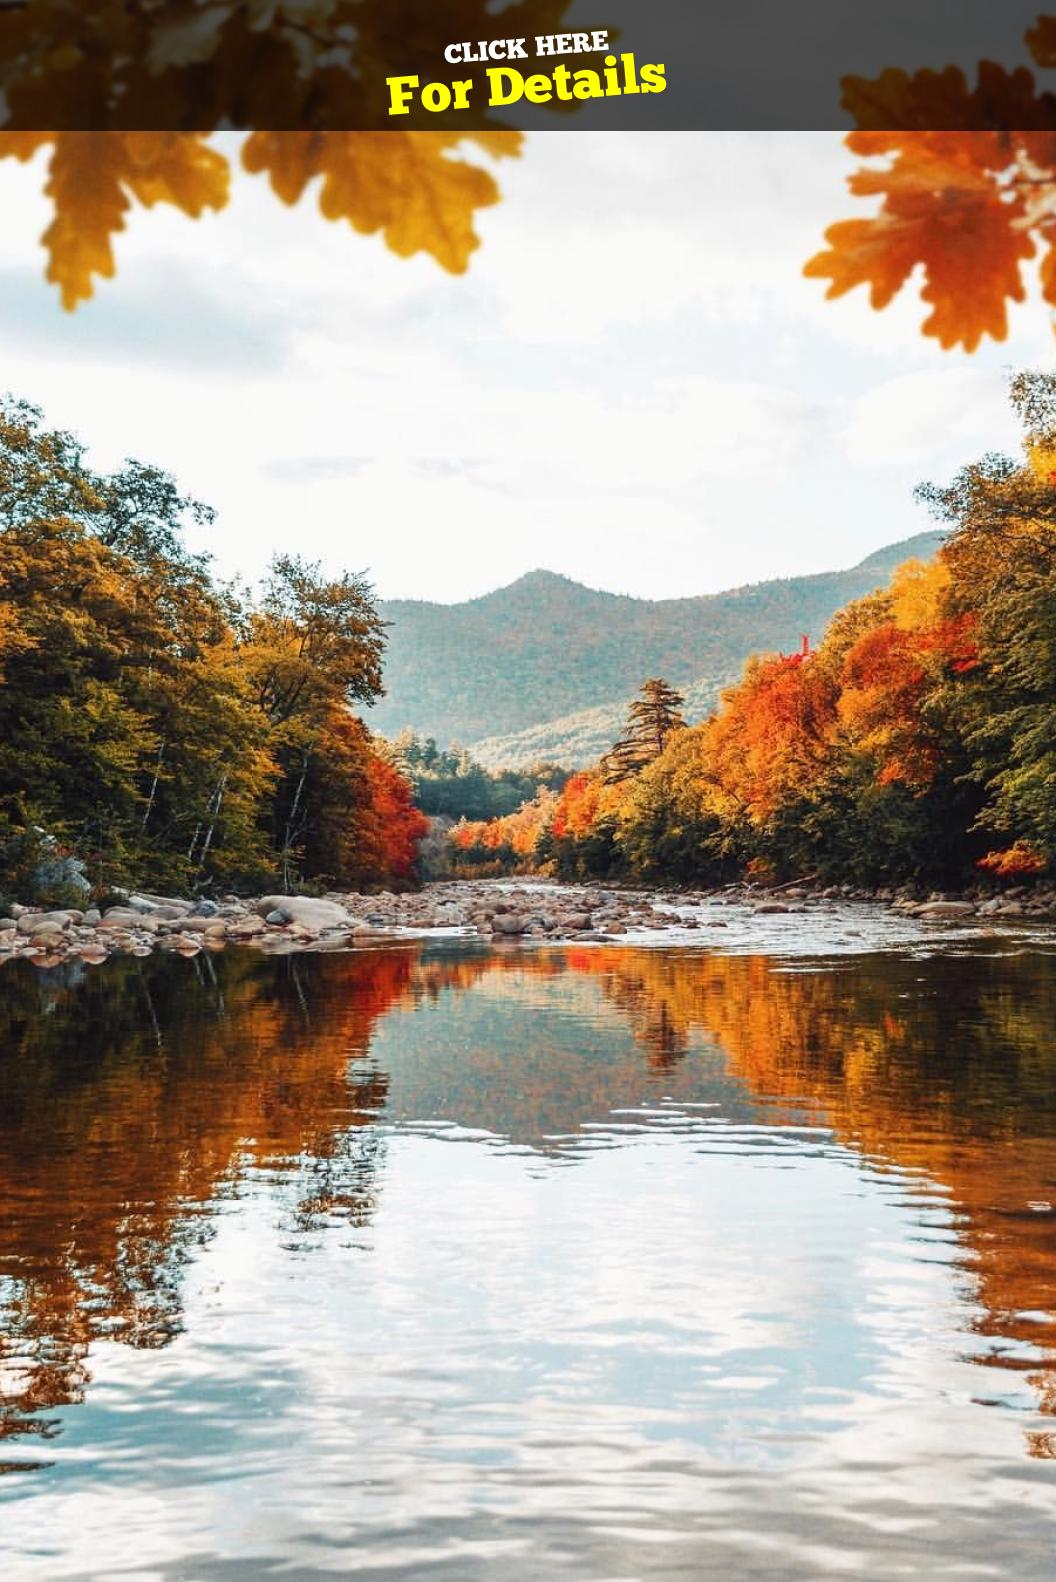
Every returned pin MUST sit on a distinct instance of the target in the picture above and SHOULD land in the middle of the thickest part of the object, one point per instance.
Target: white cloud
(921, 414)
(634, 384)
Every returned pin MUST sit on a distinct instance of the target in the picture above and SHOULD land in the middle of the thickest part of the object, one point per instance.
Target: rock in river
(304, 909)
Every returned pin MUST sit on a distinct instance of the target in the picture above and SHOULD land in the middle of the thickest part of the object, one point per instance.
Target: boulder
(946, 909)
(507, 923)
(41, 922)
(169, 905)
(304, 909)
(59, 873)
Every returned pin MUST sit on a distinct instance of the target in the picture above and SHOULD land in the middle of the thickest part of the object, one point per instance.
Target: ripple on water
(603, 1264)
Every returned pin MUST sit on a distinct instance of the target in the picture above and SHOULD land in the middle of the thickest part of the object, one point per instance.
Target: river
(731, 1257)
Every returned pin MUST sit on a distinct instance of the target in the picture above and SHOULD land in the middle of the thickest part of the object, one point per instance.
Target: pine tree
(652, 717)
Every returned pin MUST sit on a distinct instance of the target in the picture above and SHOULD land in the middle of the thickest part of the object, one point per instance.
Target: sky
(634, 385)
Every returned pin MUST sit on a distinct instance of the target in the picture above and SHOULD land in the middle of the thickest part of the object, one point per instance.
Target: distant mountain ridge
(547, 662)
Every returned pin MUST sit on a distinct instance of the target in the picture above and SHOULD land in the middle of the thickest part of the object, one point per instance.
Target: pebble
(500, 910)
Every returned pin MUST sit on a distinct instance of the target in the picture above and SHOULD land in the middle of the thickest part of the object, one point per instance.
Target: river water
(595, 1263)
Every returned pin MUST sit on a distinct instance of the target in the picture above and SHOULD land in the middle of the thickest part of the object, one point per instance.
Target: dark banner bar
(640, 65)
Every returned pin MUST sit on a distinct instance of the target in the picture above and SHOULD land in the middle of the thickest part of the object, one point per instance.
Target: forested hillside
(914, 743)
(546, 647)
(579, 739)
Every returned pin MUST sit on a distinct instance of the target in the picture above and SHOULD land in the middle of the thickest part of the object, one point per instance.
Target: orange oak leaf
(1041, 41)
(944, 208)
(942, 101)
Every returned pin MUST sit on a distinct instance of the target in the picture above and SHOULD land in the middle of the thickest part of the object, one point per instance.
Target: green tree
(1002, 555)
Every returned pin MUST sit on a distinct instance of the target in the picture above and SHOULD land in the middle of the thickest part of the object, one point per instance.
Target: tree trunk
(154, 785)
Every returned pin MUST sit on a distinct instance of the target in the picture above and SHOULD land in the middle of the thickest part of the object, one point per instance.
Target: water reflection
(131, 1102)
(654, 1183)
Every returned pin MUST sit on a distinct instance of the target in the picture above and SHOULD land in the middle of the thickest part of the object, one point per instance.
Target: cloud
(164, 314)
(927, 413)
(322, 469)
(447, 466)
(634, 384)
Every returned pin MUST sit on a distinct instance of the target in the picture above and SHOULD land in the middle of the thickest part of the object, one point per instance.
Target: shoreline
(508, 911)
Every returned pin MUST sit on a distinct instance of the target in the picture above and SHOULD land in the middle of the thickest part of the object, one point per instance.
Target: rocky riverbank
(498, 910)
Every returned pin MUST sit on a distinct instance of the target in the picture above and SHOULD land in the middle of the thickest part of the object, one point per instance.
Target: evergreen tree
(652, 717)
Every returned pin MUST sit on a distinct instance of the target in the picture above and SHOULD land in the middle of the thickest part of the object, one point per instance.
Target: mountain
(579, 739)
(547, 660)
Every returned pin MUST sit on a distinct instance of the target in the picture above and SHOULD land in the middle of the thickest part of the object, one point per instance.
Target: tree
(771, 736)
(313, 648)
(651, 719)
(1002, 559)
(667, 824)
(163, 732)
(359, 825)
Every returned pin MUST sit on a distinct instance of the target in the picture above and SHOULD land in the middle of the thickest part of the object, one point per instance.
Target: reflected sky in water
(603, 1264)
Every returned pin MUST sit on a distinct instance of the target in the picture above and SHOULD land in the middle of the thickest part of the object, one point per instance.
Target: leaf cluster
(962, 178)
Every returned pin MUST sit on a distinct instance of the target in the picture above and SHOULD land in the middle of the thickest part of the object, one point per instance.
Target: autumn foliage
(411, 187)
(79, 85)
(913, 743)
(963, 191)
(158, 729)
